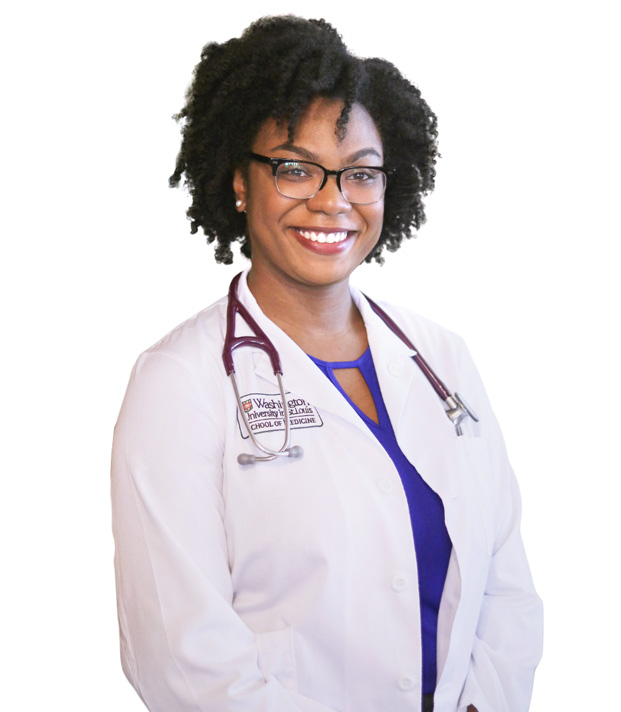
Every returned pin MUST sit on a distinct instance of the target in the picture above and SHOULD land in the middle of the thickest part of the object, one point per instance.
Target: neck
(322, 320)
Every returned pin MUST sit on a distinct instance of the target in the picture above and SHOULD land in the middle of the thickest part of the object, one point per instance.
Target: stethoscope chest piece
(458, 410)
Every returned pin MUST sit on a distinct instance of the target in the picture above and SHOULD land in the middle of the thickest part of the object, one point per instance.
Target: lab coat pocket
(275, 649)
(476, 454)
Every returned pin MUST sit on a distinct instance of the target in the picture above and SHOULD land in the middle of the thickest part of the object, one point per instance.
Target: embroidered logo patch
(265, 413)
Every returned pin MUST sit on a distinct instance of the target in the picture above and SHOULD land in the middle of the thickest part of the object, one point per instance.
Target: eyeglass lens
(301, 180)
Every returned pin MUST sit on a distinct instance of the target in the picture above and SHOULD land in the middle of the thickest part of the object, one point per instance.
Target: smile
(324, 237)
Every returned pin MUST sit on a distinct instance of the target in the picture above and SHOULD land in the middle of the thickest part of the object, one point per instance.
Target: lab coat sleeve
(183, 646)
(508, 641)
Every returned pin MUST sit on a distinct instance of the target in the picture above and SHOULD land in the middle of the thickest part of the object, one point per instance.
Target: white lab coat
(291, 586)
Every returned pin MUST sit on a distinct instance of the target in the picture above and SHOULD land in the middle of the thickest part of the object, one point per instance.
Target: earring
(239, 203)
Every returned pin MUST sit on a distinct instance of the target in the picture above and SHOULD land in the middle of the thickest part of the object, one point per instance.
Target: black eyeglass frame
(275, 163)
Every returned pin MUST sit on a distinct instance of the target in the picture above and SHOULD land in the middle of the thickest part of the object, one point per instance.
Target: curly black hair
(274, 70)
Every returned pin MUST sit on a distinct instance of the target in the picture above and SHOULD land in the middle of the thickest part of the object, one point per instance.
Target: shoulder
(427, 336)
(201, 333)
(183, 363)
(443, 350)
(425, 328)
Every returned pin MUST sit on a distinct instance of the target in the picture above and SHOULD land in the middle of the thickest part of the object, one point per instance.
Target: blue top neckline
(365, 364)
(356, 363)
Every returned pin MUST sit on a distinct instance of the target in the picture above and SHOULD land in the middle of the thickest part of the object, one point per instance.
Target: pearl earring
(238, 203)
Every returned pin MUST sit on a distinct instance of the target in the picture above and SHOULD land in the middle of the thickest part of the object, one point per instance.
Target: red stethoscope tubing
(435, 382)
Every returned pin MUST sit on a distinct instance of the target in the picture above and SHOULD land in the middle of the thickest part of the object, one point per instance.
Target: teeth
(329, 237)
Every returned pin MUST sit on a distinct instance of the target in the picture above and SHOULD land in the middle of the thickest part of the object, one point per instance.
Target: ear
(239, 188)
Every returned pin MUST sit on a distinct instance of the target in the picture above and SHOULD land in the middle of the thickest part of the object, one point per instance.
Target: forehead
(316, 131)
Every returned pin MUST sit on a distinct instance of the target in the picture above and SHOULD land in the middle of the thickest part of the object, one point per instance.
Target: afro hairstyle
(274, 70)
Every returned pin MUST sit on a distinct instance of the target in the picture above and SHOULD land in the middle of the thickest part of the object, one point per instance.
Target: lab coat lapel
(429, 441)
(423, 430)
(301, 377)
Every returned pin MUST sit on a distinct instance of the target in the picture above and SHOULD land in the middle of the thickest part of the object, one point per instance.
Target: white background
(519, 255)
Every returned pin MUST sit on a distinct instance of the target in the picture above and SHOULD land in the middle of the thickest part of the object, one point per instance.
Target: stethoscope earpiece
(294, 452)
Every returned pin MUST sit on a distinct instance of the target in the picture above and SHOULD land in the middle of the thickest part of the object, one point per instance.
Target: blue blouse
(431, 540)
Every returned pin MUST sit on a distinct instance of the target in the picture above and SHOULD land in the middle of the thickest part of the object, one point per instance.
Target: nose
(329, 199)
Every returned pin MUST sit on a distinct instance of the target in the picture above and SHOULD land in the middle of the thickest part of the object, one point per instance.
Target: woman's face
(280, 228)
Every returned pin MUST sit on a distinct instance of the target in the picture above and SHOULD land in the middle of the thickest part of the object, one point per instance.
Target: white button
(398, 583)
(395, 369)
(406, 682)
(385, 486)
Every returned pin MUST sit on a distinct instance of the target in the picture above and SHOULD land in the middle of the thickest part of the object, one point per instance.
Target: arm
(183, 646)
(508, 641)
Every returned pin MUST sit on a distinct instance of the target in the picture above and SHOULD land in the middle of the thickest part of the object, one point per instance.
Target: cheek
(376, 218)
(264, 202)
(259, 212)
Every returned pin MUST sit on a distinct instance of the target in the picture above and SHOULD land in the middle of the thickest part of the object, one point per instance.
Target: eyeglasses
(302, 180)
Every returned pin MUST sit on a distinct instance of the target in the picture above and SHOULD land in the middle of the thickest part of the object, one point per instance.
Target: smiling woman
(376, 564)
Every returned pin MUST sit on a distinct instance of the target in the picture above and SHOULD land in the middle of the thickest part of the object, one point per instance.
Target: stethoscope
(455, 407)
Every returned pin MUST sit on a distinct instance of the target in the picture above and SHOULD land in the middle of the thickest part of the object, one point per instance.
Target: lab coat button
(395, 369)
(406, 682)
(385, 485)
(398, 583)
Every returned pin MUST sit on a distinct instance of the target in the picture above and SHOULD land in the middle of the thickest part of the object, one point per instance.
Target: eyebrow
(310, 156)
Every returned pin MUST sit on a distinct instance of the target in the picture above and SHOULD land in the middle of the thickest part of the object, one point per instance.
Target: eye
(294, 172)
(363, 175)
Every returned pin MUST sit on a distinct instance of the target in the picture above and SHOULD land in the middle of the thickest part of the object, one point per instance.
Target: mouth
(325, 241)
(324, 237)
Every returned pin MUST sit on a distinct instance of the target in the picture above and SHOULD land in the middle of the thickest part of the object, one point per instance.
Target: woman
(376, 562)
